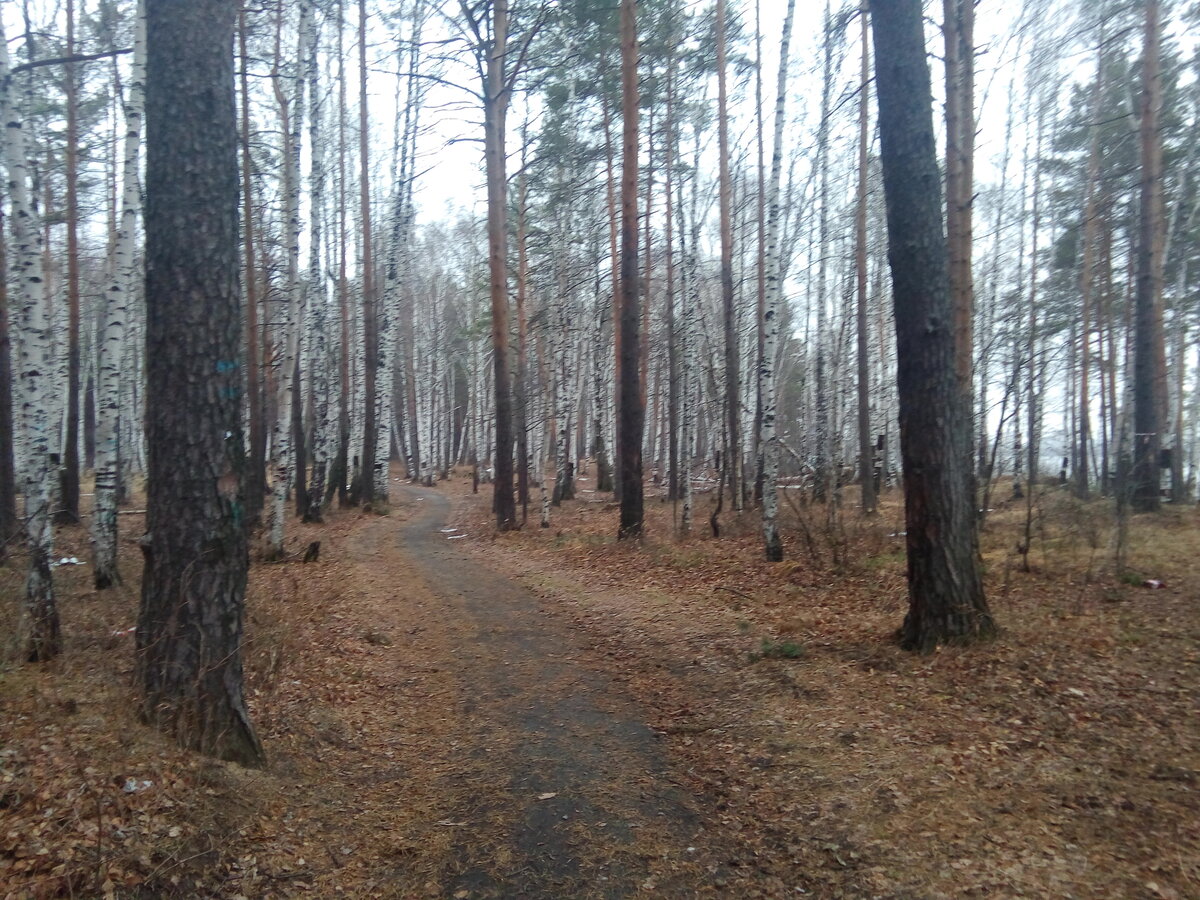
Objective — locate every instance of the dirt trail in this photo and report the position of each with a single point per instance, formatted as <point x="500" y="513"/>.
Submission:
<point x="580" y="798"/>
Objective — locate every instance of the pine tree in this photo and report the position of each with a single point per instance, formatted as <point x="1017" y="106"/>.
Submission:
<point x="189" y="633"/>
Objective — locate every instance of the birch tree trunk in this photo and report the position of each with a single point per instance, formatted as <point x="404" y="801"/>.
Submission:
<point x="9" y="523"/>
<point x="772" y="543"/>
<point x="370" y="302"/>
<point x="114" y="315"/>
<point x="282" y="448"/>
<point x="866" y="472"/>
<point x="323" y="426"/>
<point x="256" y="466"/>
<point x="39" y="634"/>
<point x="733" y="390"/>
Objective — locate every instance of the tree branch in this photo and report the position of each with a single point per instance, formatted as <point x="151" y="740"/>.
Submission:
<point x="61" y="60"/>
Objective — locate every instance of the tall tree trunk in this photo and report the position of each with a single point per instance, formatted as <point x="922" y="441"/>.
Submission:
<point x="522" y="382"/>
<point x="189" y="632"/>
<point x="772" y="542"/>
<point x="9" y="523"/>
<point x="959" y="35"/>
<point x="370" y="310"/>
<point x="614" y="238"/>
<point x="339" y="475"/>
<point x="39" y="634"/>
<point x="673" y="373"/>
<point x="632" y="411"/>
<point x="68" y="511"/>
<point x="1087" y="281"/>
<point x="945" y="588"/>
<point x="866" y="468"/>
<point x="318" y="300"/>
<point x="283" y="448"/>
<point x="761" y="254"/>
<point x="256" y="483"/>
<point x="733" y="389"/>
<point x="114" y="316"/>
<point x="495" y="107"/>
<point x="1150" y="368"/>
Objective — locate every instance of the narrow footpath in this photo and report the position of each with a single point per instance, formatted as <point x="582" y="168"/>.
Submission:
<point x="579" y="785"/>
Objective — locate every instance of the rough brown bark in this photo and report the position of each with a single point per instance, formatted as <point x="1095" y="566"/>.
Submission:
<point x="631" y="420"/>
<point x="189" y="632"/>
<point x="1150" y="367"/>
<point x="959" y="33"/>
<point x="495" y="109"/>
<point x="946" y="599"/>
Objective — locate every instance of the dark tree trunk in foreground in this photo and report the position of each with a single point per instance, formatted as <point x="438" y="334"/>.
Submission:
<point x="632" y="412"/>
<point x="946" y="600"/>
<point x="1150" y="367"/>
<point x="189" y="632"/>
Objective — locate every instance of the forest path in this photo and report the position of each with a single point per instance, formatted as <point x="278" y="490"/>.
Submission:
<point x="543" y="777"/>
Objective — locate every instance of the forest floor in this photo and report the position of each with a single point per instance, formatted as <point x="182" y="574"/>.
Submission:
<point x="549" y="713"/>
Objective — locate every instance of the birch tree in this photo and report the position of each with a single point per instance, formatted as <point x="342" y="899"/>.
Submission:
<point x="115" y="312"/>
<point x="289" y="93"/>
<point x="772" y="543"/>
<point x="39" y="634"/>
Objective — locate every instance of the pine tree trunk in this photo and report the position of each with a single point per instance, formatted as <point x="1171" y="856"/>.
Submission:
<point x="1149" y="377"/>
<point x="632" y="412"/>
<point x="946" y="599"/>
<point x="496" y="97"/>
<point x="959" y="29"/>
<point x="189" y="633"/>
